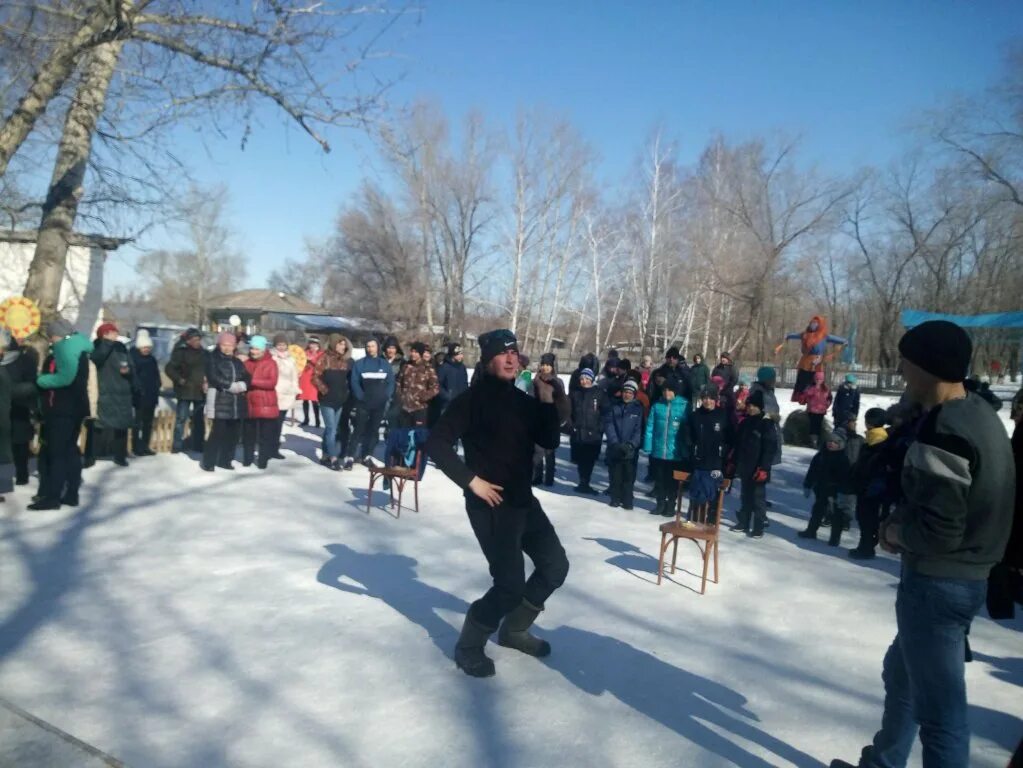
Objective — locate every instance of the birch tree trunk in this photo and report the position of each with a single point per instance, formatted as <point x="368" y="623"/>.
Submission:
<point x="46" y="272"/>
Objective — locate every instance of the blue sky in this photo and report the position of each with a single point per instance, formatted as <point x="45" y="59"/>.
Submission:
<point x="848" y="77"/>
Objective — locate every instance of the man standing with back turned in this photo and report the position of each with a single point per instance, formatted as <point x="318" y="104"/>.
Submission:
<point x="499" y="425"/>
<point x="950" y="526"/>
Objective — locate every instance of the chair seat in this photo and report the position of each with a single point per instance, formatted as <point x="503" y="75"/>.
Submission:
<point x="689" y="530"/>
<point x="408" y="472"/>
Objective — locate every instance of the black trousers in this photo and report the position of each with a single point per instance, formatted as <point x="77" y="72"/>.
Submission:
<point x="279" y="429"/>
<point x="261" y="433"/>
<point x="665" y="484"/>
<point x="586" y="456"/>
<point x="543" y="465"/>
<point x="868" y="517"/>
<point x="220" y="445"/>
<point x="60" y="467"/>
<point x="816" y="424"/>
<point x="142" y="432"/>
<point x="506" y="533"/>
<point x="316" y="411"/>
<point x="344" y="427"/>
<point x="21" y="454"/>
<point x="623" y="479"/>
<point x="753" y="505"/>
<point x="367" y="430"/>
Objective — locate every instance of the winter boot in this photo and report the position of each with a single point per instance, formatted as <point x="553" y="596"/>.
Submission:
<point x="837" y="526"/>
<point x="514" y="632"/>
<point x="658" y="509"/>
<point x="810" y="532"/>
<point x="469" y="655"/>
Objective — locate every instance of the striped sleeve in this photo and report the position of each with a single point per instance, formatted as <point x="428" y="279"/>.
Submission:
<point x="936" y="480"/>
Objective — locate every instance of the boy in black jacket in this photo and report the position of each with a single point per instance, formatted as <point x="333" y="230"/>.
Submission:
<point x="868" y="477"/>
<point x="499" y="425"/>
<point x="830" y="479"/>
<point x="755" y="446"/>
<point x="709" y="438"/>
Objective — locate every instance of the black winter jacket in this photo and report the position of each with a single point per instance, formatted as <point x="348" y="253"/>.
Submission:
<point x="115" y="375"/>
<point x="709" y="438"/>
<point x="147" y="380"/>
<point x="829" y="474"/>
<point x="499" y="426"/>
<point x="588" y="360"/>
<point x="186" y="370"/>
<point x="728" y="373"/>
<point x="588" y="407"/>
<point x="846" y="405"/>
<point x="453" y="380"/>
<point x="755" y="446"/>
<point x="24" y="399"/>
<point x="678" y="376"/>
<point x="221" y="372"/>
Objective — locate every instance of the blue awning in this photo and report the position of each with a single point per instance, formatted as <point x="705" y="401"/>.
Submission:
<point x="996" y="320"/>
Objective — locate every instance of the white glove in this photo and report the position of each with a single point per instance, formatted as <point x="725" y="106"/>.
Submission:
<point x="716" y="474"/>
<point x="237" y="387"/>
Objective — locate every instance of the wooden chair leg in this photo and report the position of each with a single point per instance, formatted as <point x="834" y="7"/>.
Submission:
<point x="660" y="561"/>
<point x="415" y="488"/>
<point x="674" y="554"/>
<point x="706" y="564"/>
<point x="369" y="493"/>
<point x="716" y="577"/>
<point x="401" y="492"/>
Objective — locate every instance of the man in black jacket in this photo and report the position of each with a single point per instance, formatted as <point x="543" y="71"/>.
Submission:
<point x="755" y="446"/>
<point x="452" y="377"/>
<point x="187" y="372"/>
<point x="499" y="425"/>
<point x="951" y="527"/>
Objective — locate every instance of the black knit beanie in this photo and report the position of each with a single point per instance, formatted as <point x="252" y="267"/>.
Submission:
<point x="494" y="343"/>
<point x="940" y="347"/>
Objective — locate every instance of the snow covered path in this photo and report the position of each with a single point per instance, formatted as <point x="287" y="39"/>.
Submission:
<point x="179" y="618"/>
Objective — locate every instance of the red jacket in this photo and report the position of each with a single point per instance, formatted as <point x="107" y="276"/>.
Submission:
<point x="305" y="378"/>
<point x="262" y="392"/>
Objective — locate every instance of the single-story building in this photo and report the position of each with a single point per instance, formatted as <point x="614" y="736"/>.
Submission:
<point x="81" y="292"/>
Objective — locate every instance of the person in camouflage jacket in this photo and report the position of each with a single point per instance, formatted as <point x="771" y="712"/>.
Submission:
<point x="417" y="386"/>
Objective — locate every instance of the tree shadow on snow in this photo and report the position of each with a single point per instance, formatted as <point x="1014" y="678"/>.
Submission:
<point x="635" y="561"/>
<point x="1009" y="669"/>
<point x="675" y="698"/>
<point x="1000" y="728"/>
<point x="392" y="579"/>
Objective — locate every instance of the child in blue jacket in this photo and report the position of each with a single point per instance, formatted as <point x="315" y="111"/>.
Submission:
<point x="623" y="426"/>
<point x="666" y="443"/>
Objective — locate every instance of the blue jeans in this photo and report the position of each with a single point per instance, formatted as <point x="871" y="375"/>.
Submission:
<point x="184" y="410"/>
<point x="924" y="675"/>
<point x="331" y="418"/>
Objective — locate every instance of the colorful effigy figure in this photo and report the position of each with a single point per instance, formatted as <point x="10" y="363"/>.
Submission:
<point x="813" y="344"/>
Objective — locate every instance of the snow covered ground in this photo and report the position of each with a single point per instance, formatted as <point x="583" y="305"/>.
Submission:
<point x="179" y="618"/>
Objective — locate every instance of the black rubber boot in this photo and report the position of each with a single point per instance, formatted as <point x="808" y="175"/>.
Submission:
<point x="514" y="632"/>
<point x="469" y="655"/>
<point x="837" y="526"/>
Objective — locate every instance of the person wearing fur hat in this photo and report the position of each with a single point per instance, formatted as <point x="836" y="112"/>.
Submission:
<point x="588" y="406"/>
<point x="146" y="392"/>
<point x="416" y="386"/>
<point x="499" y="425"/>
<point x="829" y="479"/>
<point x="308" y="394"/>
<point x="452" y="377"/>
<point x="114" y="371"/>
<point x="287" y="386"/>
<point x="331" y="380"/>
<point x="187" y="371"/>
<point x="228" y="381"/>
<point x="752" y="454"/>
<point x="64" y="405"/>
<point x="260" y="425"/>
<point x="950" y="528"/>
<point x="666" y="445"/>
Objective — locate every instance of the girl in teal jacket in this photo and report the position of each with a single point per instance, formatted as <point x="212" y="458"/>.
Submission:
<point x="667" y="450"/>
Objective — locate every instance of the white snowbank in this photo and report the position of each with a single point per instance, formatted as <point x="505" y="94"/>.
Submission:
<point x="251" y="618"/>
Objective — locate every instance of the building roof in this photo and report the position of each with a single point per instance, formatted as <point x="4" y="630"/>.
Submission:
<point x="265" y="300"/>
<point x="103" y="242"/>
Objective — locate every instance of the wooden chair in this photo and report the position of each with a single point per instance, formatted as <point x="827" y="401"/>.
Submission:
<point x="399" y="476"/>
<point x="702" y="533"/>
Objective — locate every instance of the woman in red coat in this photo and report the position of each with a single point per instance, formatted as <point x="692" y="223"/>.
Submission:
<point x="309" y="393"/>
<point x="261" y="422"/>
